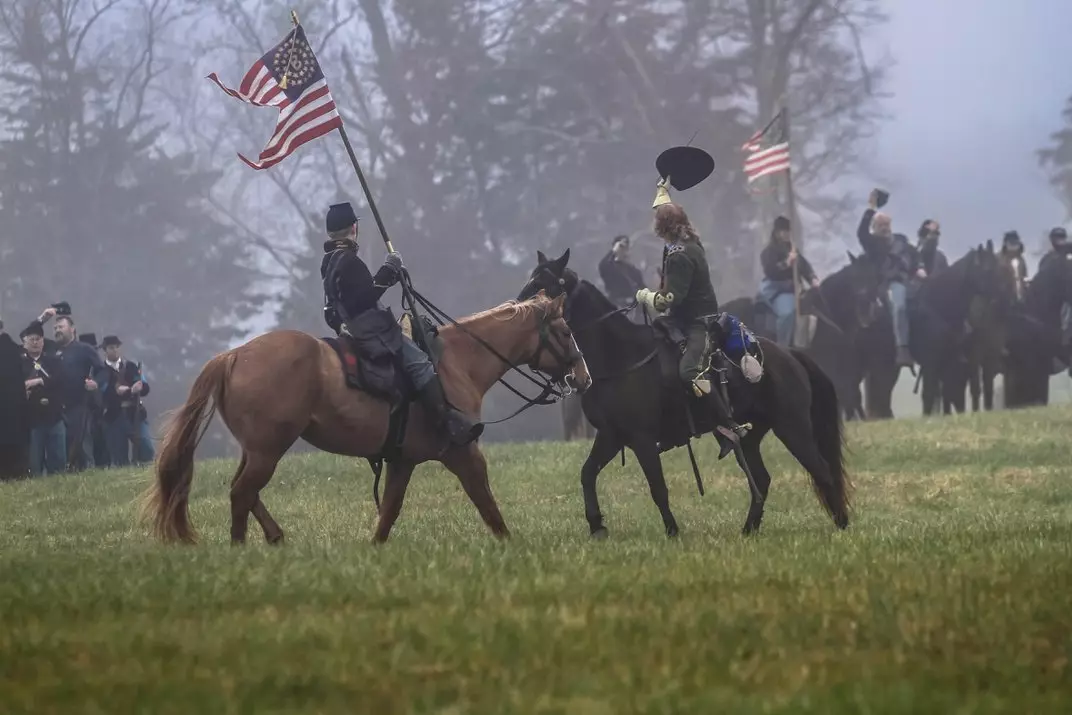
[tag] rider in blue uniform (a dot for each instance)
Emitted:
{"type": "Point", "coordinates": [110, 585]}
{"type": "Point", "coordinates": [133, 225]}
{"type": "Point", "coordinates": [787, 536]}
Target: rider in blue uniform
{"type": "Point", "coordinates": [351, 292]}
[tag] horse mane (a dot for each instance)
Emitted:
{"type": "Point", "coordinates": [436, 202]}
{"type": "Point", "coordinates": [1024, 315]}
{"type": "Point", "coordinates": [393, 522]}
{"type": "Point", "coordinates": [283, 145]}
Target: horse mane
{"type": "Point", "coordinates": [619, 323]}
{"type": "Point", "coordinates": [509, 310]}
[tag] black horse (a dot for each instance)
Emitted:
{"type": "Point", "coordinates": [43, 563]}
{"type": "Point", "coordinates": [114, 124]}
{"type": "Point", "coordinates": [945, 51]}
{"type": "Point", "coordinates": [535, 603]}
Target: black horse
{"type": "Point", "coordinates": [939, 318]}
{"type": "Point", "coordinates": [1035, 341]}
{"type": "Point", "coordinates": [845, 305]}
{"type": "Point", "coordinates": [638, 401]}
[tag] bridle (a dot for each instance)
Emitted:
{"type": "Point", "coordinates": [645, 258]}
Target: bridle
{"type": "Point", "coordinates": [567, 360]}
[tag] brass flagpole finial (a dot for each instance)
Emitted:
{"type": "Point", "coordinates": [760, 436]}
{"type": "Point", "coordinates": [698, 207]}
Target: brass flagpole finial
{"type": "Point", "coordinates": [284, 82]}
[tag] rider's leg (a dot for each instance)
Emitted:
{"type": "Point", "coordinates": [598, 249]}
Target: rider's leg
{"type": "Point", "coordinates": [899, 309]}
{"type": "Point", "coordinates": [785, 307]}
{"type": "Point", "coordinates": [689, 369]}
{"type": "Point", "coordinates": [422, 376]}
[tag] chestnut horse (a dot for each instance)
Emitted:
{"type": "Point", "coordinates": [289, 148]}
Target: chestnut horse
{"type": "Point", "coordinates": [286, 385]}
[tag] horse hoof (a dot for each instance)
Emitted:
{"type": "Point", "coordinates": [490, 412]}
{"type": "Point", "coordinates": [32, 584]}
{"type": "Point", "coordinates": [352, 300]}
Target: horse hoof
{"type": "Point", "coordinates": [671, 531]}
{"type": "Point", "coordinates": [600, 534]}
{"type": "Point", "coordinates": [276, 540]}
{"type": "Point", "coordinates": [749, 530]}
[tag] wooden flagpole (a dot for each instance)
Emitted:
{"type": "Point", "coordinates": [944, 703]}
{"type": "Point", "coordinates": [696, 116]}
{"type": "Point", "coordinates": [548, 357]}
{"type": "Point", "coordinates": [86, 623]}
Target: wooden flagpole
{"type": "Point", "coordinates": [357, 168]}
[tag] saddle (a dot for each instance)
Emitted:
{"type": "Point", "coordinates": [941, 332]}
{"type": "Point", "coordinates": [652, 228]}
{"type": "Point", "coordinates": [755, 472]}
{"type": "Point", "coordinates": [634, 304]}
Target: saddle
{"type": "Point", "coordinates": [729, 342]}
{"type": "Point", "coordinates": [371, 362]}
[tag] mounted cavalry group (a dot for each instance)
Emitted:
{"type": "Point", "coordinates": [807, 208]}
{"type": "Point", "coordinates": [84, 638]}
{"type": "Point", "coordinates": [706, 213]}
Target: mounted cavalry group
{"type": "Point", "coordinates": [404, 392]}
{"type": "Point", "coordinates": [898, 305]}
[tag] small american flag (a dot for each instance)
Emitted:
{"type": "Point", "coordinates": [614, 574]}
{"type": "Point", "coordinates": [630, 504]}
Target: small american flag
{"type": "Point", "coordinates": [289, 78]}
{"type": "Point", "coordinates": [768, 150]}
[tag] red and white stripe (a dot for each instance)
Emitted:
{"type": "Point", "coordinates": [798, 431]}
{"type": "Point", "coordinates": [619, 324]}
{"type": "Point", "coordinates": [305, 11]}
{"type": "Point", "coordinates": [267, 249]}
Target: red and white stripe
{"type": "Point", "coordinates": [312, 114]}
{"type": "Point", "coordinates": [761, 162]}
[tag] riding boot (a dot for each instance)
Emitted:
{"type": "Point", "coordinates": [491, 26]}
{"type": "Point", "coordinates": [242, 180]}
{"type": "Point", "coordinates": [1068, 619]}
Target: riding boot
{"type": "Point", "coordinates": [727, 431]}
{"type": "Point", "coordinates": [460, 429]}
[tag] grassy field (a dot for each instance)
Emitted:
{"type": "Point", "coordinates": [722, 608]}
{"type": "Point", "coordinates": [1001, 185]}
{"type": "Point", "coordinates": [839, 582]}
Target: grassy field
{"type": "Point", "coordinates": [950, 593]}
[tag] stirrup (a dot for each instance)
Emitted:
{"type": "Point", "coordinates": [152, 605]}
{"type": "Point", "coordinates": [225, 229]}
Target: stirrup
{"type": "Point", "coordinates": [701, 387]}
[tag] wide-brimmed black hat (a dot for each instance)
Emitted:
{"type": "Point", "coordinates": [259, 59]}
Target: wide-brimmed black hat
{"type": "Point", "coordinates": [684, 166]}
{"type": "Point", "coordinates": [62, 308]}
{"type": "Point", "coordinates": [110, 340]}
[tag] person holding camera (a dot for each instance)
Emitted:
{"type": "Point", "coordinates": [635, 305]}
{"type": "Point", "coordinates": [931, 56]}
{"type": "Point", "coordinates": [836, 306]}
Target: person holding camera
{"type": "Point", "coordinates": [620, 277]}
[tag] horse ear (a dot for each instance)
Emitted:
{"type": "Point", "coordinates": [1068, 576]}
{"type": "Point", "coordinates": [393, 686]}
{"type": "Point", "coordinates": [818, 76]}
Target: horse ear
{"type": "Point", "coordinates": [564, 258]}
{"type": "Point", "coordinates": [557, 305]}
{"type": "Point", "coordinates": [540, 258]}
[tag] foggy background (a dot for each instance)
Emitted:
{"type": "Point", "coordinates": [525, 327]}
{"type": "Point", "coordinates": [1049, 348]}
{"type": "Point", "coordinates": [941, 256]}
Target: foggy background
{"type": "Point", "coordinates": [487, 130]}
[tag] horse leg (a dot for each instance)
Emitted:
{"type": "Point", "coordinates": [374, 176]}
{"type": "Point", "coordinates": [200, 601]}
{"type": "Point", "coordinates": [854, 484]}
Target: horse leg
{"type": "Point", "coordinates": [750, 448]}
{"type": "Point", "coordinates": [394, 492]}
{"type": "Point", "coordinates": [605, 446]}
{"type": "Point", "coordinates": [255, 471]}
{"type": "Point", "coordinates": [647, 453]}
{"type": "Point", "coordinates": [471, 469]}
{"type": "Point", "coordinates": [272, 533]}
{"type": "Point", "coordinates": [988, 387]}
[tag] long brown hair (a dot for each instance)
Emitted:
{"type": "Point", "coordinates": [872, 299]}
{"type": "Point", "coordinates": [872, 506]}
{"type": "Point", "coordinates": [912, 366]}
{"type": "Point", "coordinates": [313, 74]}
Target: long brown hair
{"type": "Point", "coordinates": [672, 222]}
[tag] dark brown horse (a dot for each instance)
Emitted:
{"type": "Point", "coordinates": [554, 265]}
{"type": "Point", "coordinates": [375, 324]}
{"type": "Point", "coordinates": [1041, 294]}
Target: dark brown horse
{"type": "Point", "coordinates": [287, 385]}
{"type": "Point", "coordinates": [637, 400]}
{"type": "Point", "coordinates": [844, 305]}
{"type": "Point", "coordinates": [1036, 347]}
{"type": "Point", "coordinates": [939, 317]}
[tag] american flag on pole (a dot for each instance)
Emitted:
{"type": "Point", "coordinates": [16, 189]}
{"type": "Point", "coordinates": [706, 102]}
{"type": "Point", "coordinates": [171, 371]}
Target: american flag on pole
{"type": "Point", "coordinates": [768, 150]}
{"type": "Point", "coordinates": [288, 77]}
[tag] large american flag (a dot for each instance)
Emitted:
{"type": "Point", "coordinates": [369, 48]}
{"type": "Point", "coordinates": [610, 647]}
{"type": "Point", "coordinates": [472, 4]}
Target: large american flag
{"type": "Point", "coordinates": [306, 108]}
{"type": "Point", "coordinates": [768, 150]}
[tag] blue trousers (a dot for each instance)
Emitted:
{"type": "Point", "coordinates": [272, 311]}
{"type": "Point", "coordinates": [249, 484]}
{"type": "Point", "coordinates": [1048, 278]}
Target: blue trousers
{"type": "Point", "coordinates": [784, 306]}
{"type": "Point", "coordinates": [121, 436]}
{"type": "Point", "coordinates": [79, 421]}
{"type": "Point", "coordinates": [898, 296]}
{"type": "Point", "coordinates": [418, 367]}
{"type": "Point", "coordinates": [48, 449]}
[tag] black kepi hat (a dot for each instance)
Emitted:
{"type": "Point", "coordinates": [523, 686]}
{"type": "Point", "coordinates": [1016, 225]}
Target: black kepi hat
{"type": "Point", "coordinates": [340, 217]}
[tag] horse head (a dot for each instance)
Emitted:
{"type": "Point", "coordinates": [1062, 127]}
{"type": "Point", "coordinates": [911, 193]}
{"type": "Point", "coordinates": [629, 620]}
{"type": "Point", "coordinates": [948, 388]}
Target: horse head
{"type": "Point", "coordinates": [551, 276]}
{"type": "Point", "coordinates": [989, 277]}
{"type": "Point", "coordinates": [553, 348]}
{"type": "Point", "coordinates": [860, 289]}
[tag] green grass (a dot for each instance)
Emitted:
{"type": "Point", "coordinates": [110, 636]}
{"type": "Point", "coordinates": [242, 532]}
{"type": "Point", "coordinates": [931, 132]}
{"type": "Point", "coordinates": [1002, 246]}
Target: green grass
{"type": "Point", "coordinates": [950, 593]}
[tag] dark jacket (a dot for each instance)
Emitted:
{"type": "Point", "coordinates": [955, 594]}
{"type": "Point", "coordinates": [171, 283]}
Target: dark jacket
{"type": "Point", "coordinates": [620, 278]}
{"type": "Point", "coordinates": [114, 403]}
{"type": "Point", "coordinates": [350, 289]}
{"type": "Point", "coordinates": [13, 407]}
{"type": "Point", "coordinates": [774, 259]}
{"type": "Point", "coordinates": [932, 260]}
{"type": "Point", "coordinates": [45, 402]}
{"type": "Point", "coordinates": [1053, 255]}
{"type": "Point", "coordinates": [687, 276]}
{"type": "Point", "coordinates": [79, 362]}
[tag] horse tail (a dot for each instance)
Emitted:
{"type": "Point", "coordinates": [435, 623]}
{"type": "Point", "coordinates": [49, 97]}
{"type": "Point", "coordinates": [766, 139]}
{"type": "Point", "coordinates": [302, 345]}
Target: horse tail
{"type": "Point", "coordinates": [829, 432]}
{"type": "Point", "coordinates": [167, 500]}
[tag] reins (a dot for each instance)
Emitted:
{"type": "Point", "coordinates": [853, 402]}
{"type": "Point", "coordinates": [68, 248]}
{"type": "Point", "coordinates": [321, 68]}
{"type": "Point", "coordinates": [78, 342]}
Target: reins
{"type": "Point", "coordinates": [547, 386]}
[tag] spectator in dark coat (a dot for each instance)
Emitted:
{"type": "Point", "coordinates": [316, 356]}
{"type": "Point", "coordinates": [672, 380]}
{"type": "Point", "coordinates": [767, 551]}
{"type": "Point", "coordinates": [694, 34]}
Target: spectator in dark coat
{"type": "Point", "coordinates": [14, 435]}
